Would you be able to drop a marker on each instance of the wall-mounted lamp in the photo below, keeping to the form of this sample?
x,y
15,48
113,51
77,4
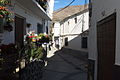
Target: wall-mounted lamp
x,y
28,25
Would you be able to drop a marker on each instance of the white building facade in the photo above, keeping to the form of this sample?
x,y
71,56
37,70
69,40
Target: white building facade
x,y
70,31
73,29
104,39
27,12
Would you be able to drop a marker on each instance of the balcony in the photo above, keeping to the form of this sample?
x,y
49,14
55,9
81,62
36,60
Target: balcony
x,y
42,3
36,6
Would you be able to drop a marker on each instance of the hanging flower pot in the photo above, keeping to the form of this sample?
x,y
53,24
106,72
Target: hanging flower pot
x,y
4,11
28,25
8,27
4,2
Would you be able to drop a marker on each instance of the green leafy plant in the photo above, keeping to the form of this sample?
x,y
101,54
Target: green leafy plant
x,y
34,52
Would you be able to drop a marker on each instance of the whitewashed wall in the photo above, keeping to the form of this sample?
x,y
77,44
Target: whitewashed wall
x,y
108,7
69,28
75,43
8,37
30,17
50,8
56,29
99,7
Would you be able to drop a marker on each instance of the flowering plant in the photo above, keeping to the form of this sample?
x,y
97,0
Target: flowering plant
x,y
4,12
34,41
31,36
4,2
42,38
4,15
3,9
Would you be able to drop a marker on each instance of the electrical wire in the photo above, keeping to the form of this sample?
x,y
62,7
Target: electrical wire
x,y
65,6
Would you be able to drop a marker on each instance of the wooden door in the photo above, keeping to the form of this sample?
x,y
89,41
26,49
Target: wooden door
x,y
19,30
106,38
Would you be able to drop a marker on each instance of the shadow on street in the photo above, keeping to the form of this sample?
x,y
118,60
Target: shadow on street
x,y
66,64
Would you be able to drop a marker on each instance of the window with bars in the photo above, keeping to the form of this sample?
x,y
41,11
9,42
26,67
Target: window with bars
x,y
66,41
84,42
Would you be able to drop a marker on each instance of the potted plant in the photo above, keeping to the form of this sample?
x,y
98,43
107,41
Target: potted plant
x,y
8,27
4,15
28,25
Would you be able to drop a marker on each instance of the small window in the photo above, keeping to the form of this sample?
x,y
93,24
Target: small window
x,y
75,20
47,29
84,42
68,23
39,28
66,41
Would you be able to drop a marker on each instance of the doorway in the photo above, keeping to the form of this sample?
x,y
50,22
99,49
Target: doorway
x,y
19,30
106,40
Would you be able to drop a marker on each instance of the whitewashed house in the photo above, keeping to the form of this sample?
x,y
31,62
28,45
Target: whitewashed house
x,y
104,39
28,15
71,27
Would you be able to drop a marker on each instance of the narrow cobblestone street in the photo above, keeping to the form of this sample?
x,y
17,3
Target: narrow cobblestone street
x,y
66,65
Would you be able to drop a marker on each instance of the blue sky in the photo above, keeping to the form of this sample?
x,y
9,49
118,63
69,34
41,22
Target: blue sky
x,y
62,3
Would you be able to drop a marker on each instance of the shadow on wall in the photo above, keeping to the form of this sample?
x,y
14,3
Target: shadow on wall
x,y
76,43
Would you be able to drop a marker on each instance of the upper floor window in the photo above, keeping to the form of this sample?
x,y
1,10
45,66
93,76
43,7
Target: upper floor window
x,y
66,41
75,20
39,28
68,22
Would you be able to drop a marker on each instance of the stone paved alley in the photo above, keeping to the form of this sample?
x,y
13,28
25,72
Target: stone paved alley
x,y
66,64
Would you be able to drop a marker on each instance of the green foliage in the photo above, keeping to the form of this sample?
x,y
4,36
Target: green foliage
x,y
4,2
33,52
5,12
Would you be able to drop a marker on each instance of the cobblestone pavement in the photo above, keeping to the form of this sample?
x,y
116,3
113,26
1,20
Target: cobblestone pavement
x,y
66,64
